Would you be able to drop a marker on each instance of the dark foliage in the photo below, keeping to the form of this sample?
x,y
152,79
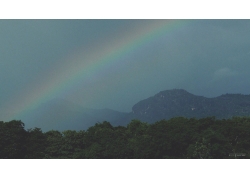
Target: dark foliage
x,y
177,138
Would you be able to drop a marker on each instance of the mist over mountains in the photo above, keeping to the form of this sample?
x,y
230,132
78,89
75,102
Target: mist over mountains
x,y
59,114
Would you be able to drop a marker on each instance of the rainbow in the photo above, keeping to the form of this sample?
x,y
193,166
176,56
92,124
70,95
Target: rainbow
x,y
89,65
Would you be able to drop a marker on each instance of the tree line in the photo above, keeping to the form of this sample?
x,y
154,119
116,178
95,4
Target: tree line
x,y
177,138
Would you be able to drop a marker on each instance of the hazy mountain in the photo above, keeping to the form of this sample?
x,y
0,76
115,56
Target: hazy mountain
x,y
178,102
60,114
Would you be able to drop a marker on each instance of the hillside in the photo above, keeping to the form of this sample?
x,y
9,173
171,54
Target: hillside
x,y
62,115
179,102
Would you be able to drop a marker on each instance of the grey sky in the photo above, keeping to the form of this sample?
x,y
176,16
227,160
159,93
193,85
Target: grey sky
x,y
205,57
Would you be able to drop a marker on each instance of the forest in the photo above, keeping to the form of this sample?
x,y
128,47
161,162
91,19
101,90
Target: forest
x,y
176,138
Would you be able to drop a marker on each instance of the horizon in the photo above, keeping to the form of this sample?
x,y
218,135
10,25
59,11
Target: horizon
x,y
60,114
61,100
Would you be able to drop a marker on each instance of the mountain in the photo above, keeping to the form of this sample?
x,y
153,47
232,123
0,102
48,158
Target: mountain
x,y
179,102
59,114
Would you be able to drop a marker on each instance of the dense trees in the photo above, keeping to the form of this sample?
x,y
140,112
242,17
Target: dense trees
x,y
175,138
35,143
12,140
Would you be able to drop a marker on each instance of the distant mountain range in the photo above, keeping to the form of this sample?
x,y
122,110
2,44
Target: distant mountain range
x,y
178,102
62,115
59,114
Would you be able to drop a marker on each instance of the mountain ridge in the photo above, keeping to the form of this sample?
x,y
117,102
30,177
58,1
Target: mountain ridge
x,y
178,102
60,114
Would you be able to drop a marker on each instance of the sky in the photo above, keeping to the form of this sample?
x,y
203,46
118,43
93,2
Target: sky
x,y
116,63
